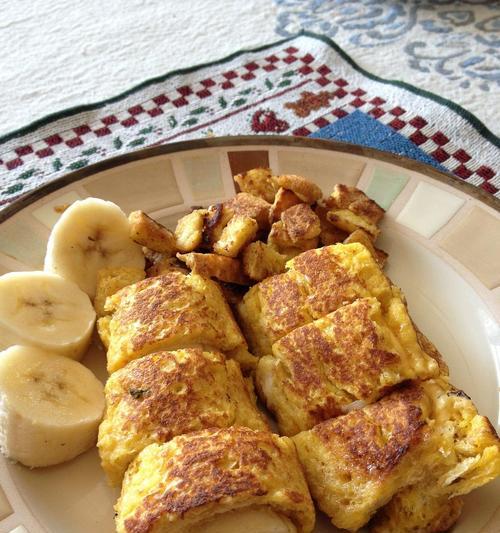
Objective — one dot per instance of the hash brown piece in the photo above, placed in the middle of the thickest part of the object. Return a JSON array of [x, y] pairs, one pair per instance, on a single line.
[[182, 485], [355, 353], [166, 394], [168, 312]]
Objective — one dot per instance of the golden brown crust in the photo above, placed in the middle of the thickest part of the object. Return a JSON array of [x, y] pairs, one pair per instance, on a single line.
[[251, 206], [258, 182], [283, 200], [189, 230], [363, 238], [355, 200], [110, 281], [164, 265], [329, 233], [147, 232], [214, 223], [239, 231], [259, 261], [301, 223], [306, 190], [185, 481], [227, 269]]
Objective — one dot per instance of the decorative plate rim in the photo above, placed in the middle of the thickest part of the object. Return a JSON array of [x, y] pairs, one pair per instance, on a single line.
[[247, 140]]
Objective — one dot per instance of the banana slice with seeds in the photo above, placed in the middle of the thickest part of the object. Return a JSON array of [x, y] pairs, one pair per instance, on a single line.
[[90, 235], [45, 310], [50, 407]]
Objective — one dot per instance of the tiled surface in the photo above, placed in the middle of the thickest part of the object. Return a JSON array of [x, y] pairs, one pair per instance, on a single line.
[[131, 185], [475, 242], [19, 529], [241, 161], [18, 239], [429, 209], [48, 214], [385, 186], [204, 178], [5, 507], [323, 169]]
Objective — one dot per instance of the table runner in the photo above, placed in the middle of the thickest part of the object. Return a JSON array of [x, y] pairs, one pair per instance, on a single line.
[[304, 85]]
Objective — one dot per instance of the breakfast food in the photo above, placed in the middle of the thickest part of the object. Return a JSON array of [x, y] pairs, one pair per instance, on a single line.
[[166, 394], [166, 313], [149, 233], [51, 407], [233, 480], [91, 234], [424, 439], [44, 310], [316, 283], [111, 280], [357, 353]]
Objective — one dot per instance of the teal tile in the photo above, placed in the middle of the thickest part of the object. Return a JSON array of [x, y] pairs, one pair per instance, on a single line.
[[385, 186]]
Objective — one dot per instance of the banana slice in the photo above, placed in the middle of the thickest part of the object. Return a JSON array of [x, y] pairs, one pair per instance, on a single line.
[[45, 310], [91, 234], [50, 407]]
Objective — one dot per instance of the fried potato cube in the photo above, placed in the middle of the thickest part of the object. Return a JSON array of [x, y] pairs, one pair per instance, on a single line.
[[223, 268], [147, 232], [239, 231], [354, 200], [251, 206], [189, 230], [261, 261], [216, 220], [111, 280], [164, 265], [348, 221], [258, 182], [306, 190], [363, 238], [301, 223], [282, 201]]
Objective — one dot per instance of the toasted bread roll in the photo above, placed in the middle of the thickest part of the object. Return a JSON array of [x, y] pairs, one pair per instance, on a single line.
[[166, 394], [258, 182], [306, 190], [363, 238], [426, 434], [111, 280], [239, 231], [260, 261], [189, 230], [147, 232], [251, 206], [166, 313], [301, 223], [316, 283], [232, 480], [227, 269], [357, 353], [282, 201]]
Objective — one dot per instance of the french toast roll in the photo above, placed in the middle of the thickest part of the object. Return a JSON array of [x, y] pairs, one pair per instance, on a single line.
[[165, 394], [233, 480], [426, 435], [168, 312], [358, 353], [317, 282]]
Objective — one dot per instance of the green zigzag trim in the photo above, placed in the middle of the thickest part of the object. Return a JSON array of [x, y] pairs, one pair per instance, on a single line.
[[472, 119]]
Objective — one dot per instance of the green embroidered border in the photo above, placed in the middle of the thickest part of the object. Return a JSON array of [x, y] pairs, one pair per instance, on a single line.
[[472, 119]]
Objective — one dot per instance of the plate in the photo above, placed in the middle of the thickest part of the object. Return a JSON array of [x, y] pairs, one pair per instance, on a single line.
[[443, 239]]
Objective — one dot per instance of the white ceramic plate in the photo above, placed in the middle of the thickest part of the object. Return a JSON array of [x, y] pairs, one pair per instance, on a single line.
[[442, 235]]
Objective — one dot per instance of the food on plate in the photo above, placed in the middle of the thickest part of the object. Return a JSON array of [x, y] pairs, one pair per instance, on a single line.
[[166, 394], [316, 283], [215, 221], [166, 313], [357, 353], [424, 440], [51, 406], [259, 261], [282, 201], [189, 230], [91, 234], [111, 280], [281, 241], [258, 182], [44, 310], [301, 223], [147, 232], [233, 480], [306, 190], [219, 267], [363, 238], [251, 206], [239, 231]]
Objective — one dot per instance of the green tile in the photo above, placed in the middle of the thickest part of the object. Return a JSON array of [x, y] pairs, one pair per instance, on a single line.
[[385, 186], [204, 177]]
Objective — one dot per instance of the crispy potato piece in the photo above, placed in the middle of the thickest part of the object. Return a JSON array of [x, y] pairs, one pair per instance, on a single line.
[[239, 231], [363, 238], [216, 266], [164, 265], [189, 230], [215, 221], [348, 221], [111, 280], [147, 232], [306, 190], [329, 233], [282, 201], [301, 223], [344, 197], [251, 206], [258, 182], [261, 261]]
